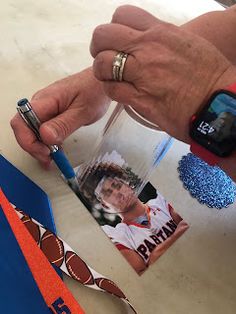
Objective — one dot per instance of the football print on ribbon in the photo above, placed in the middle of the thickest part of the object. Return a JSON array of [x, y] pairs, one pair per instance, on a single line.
[[78, 269], [32, 228], [53, 248], [109, 286], [60, 254]]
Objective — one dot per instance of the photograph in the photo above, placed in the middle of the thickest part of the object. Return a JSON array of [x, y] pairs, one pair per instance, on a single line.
[[222, 119], [223, 127], [141, 227]]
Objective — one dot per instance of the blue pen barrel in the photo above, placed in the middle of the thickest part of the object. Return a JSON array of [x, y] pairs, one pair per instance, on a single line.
[[63, 164], [29, 116]]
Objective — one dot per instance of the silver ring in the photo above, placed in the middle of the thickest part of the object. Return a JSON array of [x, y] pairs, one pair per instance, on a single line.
[[119, 65]]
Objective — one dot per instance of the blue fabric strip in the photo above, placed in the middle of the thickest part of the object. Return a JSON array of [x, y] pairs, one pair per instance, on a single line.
[[19, 293], [25, 194]]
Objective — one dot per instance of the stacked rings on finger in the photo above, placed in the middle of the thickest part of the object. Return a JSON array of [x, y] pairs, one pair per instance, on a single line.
[[119, 65]]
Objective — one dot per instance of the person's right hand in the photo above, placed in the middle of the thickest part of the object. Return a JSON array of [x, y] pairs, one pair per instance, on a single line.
[[63, 107]]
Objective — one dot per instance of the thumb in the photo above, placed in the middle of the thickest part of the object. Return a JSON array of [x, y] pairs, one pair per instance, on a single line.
[[56, 130]]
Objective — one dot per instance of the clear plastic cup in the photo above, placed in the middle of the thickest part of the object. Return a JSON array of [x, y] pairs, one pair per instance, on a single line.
[[130, 149]]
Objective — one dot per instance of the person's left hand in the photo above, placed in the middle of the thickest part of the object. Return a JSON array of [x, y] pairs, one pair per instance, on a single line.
[[169, 72]]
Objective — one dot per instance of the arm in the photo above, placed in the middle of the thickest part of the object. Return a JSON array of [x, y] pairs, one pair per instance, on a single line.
[[134, 260], [118, 235], [219, 28], [175, 216], [161, 248]]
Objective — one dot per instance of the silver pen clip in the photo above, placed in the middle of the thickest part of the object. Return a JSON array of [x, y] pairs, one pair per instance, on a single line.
[[28, 123], [26, 112]]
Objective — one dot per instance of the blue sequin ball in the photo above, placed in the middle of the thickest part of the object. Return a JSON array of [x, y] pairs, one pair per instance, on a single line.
[[209, 185]]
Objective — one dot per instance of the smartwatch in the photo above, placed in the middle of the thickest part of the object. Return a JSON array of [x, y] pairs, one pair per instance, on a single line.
[[213, 128]]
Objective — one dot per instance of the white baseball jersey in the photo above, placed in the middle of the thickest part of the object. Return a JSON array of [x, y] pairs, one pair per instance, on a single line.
[[144, 239]]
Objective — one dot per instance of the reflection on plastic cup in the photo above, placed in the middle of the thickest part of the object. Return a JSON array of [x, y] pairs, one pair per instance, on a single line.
[[130, 149]]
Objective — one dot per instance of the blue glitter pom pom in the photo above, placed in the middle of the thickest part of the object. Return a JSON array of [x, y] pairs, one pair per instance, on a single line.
[[209, 185]]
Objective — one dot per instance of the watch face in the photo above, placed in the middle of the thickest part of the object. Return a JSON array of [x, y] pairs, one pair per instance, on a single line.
[[215, 126]]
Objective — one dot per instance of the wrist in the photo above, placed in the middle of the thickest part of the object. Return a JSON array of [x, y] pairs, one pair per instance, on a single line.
[[213, 126], [225, 80], [82, 84]]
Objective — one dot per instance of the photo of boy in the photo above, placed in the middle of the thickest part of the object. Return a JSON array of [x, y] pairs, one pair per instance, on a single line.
[[146, 230]]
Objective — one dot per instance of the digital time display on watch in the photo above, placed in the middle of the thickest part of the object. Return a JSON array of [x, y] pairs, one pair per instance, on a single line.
[[215, 126]]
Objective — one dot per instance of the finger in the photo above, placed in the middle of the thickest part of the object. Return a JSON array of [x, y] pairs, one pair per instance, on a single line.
[[57, 126], [134, 17], [60, 127], [28, 141], [122, 92], [112, 37], [46, 165], [103, 67], [46, 107]]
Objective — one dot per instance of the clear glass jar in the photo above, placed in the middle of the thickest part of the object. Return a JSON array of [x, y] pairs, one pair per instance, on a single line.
[[130, 149]]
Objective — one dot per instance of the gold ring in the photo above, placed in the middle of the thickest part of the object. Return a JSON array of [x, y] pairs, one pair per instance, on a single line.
[[119, 65]]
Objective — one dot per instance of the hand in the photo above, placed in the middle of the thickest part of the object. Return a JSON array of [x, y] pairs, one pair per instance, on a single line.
[[63, 107], [169, 72]]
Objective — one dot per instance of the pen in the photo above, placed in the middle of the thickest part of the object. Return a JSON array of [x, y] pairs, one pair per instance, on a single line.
[[28, 115]]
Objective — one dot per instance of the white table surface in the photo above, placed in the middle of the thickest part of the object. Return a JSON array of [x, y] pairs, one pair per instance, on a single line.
[[46, 40]]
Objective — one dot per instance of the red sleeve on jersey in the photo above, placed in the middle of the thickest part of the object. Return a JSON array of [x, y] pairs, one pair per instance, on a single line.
[[121, 247]]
